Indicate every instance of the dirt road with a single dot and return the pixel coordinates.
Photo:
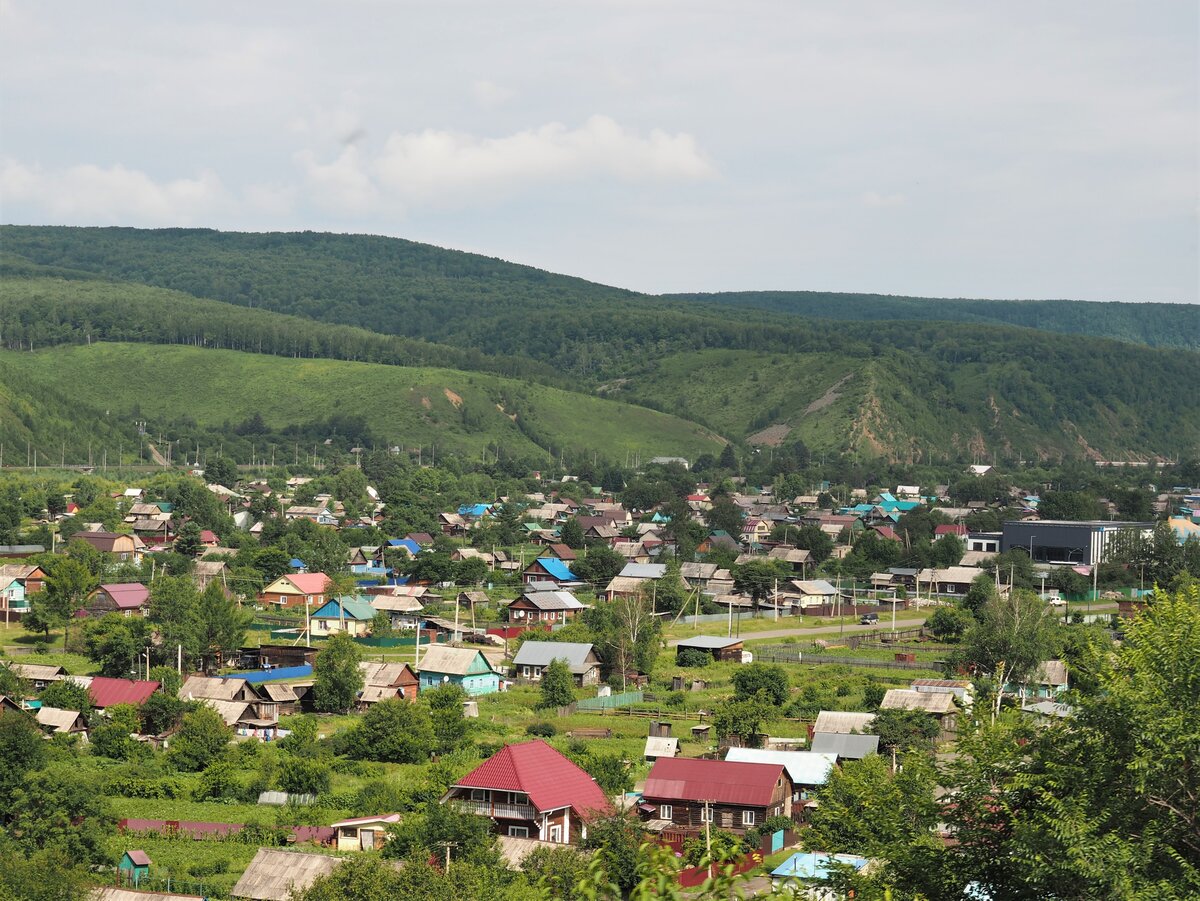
(885, 623)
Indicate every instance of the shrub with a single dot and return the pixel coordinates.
(542, 730)
(692, 657)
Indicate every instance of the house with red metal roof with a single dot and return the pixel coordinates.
(530, 790)
(126, 598)
(297, 590)
(106, 692)
(685, 794)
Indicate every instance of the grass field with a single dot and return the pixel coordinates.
(404, 405)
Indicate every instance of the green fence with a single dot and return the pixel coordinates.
(618, 700)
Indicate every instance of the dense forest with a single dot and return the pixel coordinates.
(1154, 324)
(903, 390)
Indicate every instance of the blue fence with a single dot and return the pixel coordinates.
(270, 675)
(617, 700)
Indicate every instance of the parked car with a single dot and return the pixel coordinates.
(868, 619)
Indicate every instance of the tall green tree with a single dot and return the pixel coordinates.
(202, 738)
(558, 686)
(220, 625)
(1012, 637)
(337, 679)
(68, 583)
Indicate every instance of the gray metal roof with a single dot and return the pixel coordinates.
(542, 653)
(708, 642)
(845, 746)
(644, 570)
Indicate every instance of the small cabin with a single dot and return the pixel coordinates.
(134, 867)
(364, 833)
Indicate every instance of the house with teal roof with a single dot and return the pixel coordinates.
(343, 614)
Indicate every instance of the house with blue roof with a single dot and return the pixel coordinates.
(343, 614)
(549, 569)
(298, 565)
(406, 543)
(474, 511)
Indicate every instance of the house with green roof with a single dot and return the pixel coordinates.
(343, 614)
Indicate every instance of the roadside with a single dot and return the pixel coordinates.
(815, 630)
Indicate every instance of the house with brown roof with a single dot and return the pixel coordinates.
(382, 681)
(687, 794)
(530, 790)
(32, 577)
(106, 692)
(544, 607)
(54, 721)
(126, 548)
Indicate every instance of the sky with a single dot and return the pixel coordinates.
(1006, 150)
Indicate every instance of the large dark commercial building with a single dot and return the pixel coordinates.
(1063, 541)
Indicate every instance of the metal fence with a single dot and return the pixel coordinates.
(624, 699)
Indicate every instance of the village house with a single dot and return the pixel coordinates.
(277, 875)
(718, 648)
(797, 558)
(549, 569)
(544, 607)
(12, 597)
(404, 611)
(55, 721)
(32, 578)
(530, 790)
(940, 705)
(38, 675)
(364, 833)
(807, 770)
(466, 667)
(125, 598)
(125, 548)
(106, 692)
(382, 681)
(688, 794)
(533, 657)
(296, 590)
(343, 614)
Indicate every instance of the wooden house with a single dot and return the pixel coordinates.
(466, 667)
(364, 833)
(684, 794)
(533, 657)
(54, 721)
(530, 790)
(296, 590)
(343, 614)
(544, 607)
(134, 867)
(382, 681)
(125, 598)
(125, 548)
(718, 648)
(277, 875)
(549, 569)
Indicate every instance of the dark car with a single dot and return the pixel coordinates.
(868, 619)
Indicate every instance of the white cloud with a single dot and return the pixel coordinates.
(342, 186)
(438, 166)
(488, 93)
(94, 194)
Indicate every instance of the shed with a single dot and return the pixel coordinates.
(657, 747)
(842, 721)
(134, 866)
(719, 648)
(364, 833)
(846, 746)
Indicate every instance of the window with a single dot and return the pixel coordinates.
(556, 833)
(518, 831)
(665, 812)
(747, 817)
(479, 794)
(706, 814)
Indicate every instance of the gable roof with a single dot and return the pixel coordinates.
(719, 781)
(355, 608)
(937, 702)
(196, 687)
(557, 569)
(105, 692)
(308, 583)
(846, 746)
(552, 600)
(272, 874)
(842, 721)
(549, 779)
(127, 595)
(387, 674)
(708, 642)
(543, 653)
(804, 767)
(57, 719)
(643, 571)
(452, 661)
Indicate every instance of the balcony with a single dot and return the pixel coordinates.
(496, 809)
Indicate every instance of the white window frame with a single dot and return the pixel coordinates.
(556, 833)
(748, 817)
(479, 794)
(706, 814)
(518, 832)
(666, 812)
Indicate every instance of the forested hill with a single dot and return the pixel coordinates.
(401, 287)
(1154, 324)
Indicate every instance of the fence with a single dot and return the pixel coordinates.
(623, 699)
(270, 675)
(788, 654)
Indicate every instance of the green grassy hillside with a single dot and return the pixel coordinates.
(916, 408)
(408, 406)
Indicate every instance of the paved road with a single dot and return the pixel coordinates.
(885, 623)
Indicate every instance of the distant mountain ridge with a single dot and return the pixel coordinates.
(895, 388)
(1152, 324)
